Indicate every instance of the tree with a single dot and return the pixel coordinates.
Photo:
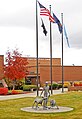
(16, 66)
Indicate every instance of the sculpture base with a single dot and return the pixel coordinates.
(47, 110)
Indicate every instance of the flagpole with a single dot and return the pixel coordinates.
(37, 47)
(50, 53)
(62, 56)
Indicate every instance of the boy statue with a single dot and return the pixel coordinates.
(46, 95)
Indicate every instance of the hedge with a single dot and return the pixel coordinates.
(29, 87)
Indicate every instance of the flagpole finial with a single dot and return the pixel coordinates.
(50, 5)
(62, 14)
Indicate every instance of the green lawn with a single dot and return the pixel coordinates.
(10, 109)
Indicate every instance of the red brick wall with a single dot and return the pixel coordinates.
(45, 74)
(71, 73)
(1, 66)
(42, 61)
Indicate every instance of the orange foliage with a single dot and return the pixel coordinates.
(16, 66)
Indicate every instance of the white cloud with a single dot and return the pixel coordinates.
(19, 37)
(73, 56)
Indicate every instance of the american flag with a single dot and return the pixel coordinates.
(51, 18)
(45, 12)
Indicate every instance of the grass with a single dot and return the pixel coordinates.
(10, 109)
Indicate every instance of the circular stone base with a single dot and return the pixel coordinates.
(48, 110)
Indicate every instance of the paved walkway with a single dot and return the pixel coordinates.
(33, 94)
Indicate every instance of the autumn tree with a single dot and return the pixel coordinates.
(16, 66)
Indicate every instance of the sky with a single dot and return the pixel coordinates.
(18, 29)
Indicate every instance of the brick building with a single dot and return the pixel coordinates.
(1, 66)
(71, 73)
(43, 64)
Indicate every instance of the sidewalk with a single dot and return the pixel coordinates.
(33, 94)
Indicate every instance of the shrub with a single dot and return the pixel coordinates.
(14, 92)
(3, 91)
(54, 86)
(77, 83)
(29, 87)
(59, 86)
(66, 84)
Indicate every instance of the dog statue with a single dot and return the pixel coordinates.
(53, 103)
(38, 101)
